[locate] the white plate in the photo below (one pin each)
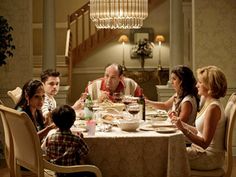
(79, 129)
(147, 127)
(161, 124)
(166, 129)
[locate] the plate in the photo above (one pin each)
(79, 129)
(161, 124)
(166, 129)
(147, 127)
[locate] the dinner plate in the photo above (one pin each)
(161, 124)
(166, 129)
(147, 127)
(78, 129)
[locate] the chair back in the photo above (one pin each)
(27, 149)
(15, 94)
(230, 113)
(8, 148)
(26, 142)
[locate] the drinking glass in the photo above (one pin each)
(118, 96)
(133, 109)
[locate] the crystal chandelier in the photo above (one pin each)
(118, 14)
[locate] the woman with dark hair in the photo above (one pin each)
(31, 102)
(184, 103)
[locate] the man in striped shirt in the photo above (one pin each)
(51, 82)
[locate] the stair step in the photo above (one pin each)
(63, 80)
(63, 71)
(37, 60)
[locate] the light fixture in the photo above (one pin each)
(159, 39)
(123, 39)
(118, 14)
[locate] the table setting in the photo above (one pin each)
(123, 116)
(123, 143)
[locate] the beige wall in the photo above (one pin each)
(215, 39)
(19, 68)
(215, 35)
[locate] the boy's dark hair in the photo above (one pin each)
(49, 73)
(64, 117)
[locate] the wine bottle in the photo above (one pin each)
(142, 103)
(88, 108)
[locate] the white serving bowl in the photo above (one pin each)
(128, 124)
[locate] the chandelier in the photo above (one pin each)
(118, 14)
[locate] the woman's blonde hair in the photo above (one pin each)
(214, 79)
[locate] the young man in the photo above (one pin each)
(51, 82)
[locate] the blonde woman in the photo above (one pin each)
(207, 149)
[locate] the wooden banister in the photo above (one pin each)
(68, 58)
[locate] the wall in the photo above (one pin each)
(215, 35)
(62, 9)
(215, 38)
(19, 68)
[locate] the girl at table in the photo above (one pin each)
(185, 100)
(31, 102)
(207, 149)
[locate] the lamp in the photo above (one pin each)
(123, 39)
(159, 39)
(118, 14)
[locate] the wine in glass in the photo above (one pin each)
(133, 109)
(127, 100)
(118, 97)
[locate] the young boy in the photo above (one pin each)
(51, 83)
(62, 147)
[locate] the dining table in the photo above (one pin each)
(140, 153)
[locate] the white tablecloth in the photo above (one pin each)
(138, 154)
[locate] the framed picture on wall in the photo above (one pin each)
(142, 40)
(140, 34)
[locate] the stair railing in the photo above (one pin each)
(68, 58)
(73, 22)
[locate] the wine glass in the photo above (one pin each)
(133, 109)
(118, 96)
(126, 100)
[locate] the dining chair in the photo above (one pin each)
(27, 150)
(230, 113)
(15, 94)
(8, 144)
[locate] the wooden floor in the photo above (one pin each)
(4, 172)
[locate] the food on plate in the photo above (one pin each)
(108, 104)
(108, 117)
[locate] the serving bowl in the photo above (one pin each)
(128, 124)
